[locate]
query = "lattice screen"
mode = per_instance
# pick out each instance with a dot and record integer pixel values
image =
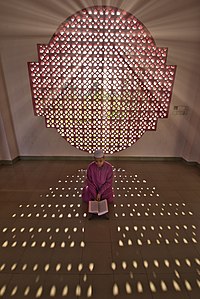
(101, 82)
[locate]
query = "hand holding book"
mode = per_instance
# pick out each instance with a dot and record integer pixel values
(98, 207)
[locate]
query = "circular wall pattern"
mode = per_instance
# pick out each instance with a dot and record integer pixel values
(101, 82)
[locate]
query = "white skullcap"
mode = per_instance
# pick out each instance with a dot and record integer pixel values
(98, 154)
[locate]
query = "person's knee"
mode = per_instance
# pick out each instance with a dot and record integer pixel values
(85, 200)
(110, 200)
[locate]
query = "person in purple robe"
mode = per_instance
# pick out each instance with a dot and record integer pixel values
(98, 184)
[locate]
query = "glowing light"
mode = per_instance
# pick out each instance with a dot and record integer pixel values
(139, 287)
(115, 289)
(91, 266)
(3, 290)
(53, 291)
(65, 291)
(78, 290)
(163, 286)
(84, 83)
(188, 285)
(176, 286)
(89, 291)
(128, 288)
(14, 291)
(27, 291)
(113, 266)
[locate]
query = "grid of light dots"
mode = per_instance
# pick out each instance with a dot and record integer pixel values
(56, 236)
(101, 81)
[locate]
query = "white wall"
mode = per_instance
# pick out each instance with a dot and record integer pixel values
(8, 144)
(173, 24)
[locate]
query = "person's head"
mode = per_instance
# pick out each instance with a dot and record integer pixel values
(99, 157)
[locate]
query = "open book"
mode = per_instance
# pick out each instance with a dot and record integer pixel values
(98, 207)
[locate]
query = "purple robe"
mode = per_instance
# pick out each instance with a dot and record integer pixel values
(99, 180)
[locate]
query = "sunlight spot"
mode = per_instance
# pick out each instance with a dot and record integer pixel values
(176, 286)
(69, 267)
(46, 268)
(128, 288)
(58, 267)
(198, 283)
(115, 289)
(146, 264)
(121, 243)
(113, 266)
(80, 267)
(24, 244)
(14, 266)
(27, 291)
(25, 266)
(35, 267)
(2, 267)
(91, 266)
(152, 287)
(177, 274)
(53, 291)
(33, 244)
(166, 262)
(82, 244)
(188, 262)
(72, 244)
(78, 290)
(62, 245)
(53, 245)
(177, 262)
(89, 291)
(130, 242)
(135, 264)
(2, 290)
(197, 261)
(194, 240)
(14, 291)
(139, 287)
(43, 244)
(124, 265)
(188, 285)
(5, 244)
(156, 263)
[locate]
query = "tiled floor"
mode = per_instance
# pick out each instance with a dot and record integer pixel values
(149, 248)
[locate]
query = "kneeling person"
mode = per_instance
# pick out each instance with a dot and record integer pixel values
(98, 184)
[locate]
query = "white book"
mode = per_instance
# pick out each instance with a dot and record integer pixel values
(98, 207)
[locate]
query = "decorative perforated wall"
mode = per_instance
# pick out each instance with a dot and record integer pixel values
(101, 81)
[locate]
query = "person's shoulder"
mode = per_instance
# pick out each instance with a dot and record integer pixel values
(91, 164)
(109, 165)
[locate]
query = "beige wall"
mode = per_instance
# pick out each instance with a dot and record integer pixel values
(8, 144)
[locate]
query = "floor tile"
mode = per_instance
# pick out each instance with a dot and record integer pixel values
(149, 247)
